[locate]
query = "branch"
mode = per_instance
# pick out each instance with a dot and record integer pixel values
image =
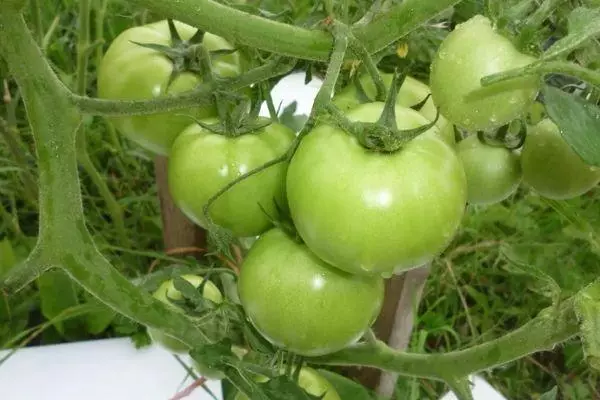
(262, 33)
(542, 68)
(199, 96)
(551, 326)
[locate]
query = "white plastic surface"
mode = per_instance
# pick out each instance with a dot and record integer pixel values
(96, 370)
(481, 390)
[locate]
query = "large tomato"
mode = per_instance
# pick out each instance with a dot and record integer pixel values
(551, 167)
(493, 173)
(309, 380)
(132, 72)
(302, 304)
(370, 212)
(202, 162)
(470, 52)
(411, 92)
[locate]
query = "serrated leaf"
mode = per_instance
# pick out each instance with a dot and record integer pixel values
(587, 307)
(578, 121)
(584, 24)
(98, 321)
(214, 356)
(544, 283)
(346, 388)
(191, 294)
(552, 394)
(57, 294)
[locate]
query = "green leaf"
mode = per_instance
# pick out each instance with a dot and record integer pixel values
(584, 24)
(346, 388)
(98, 321)
(57, 294)
(550, 395)
(578, 121)
(587, 307)
(7, 256)
(544, 283)
(283, 388)
(289, 118)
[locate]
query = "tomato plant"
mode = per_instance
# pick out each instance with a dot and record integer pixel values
(202, 162)
(470, 52)
(131, 72)
(309, 380)
(372, 189)
(493, 173)
(551, 167)
(411, 93)
(302, 304)
(353, 206)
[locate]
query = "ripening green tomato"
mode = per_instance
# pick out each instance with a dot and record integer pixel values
(309, 380)
(411, 92)
(202, 162)
(300, 303)
(167, 293)
(370, 212)
(493, 173)
(470, 52)
(132, 72)
(551, 167)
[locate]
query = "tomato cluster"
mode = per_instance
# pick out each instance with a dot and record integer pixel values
(361, 214)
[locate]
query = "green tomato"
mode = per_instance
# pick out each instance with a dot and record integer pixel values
(411, 92)
(132, 72)
(167, 293)
(309, 380)
(202, 162)
(551, 167)
(300, 303)
(470, 52)
(493, 173)
(370, 212)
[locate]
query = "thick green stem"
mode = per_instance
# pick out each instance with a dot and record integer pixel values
(202, 95)
(550, 327)
(545, 67)
(63, 240)
(277, 37)
(83, 157)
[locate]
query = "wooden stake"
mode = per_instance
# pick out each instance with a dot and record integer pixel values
(178, 230)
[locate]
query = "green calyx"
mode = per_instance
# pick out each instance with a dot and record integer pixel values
(187, 55)
(383, 135)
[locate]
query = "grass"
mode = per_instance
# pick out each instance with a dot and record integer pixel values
(473, 293)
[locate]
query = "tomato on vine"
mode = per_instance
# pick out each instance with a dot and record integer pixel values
(371, 212)
(302, 304)
(493, 173)
(411, 93)
(469, 53)
(551, 167)
(309, 380)
(130, 71)
(203, 162)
